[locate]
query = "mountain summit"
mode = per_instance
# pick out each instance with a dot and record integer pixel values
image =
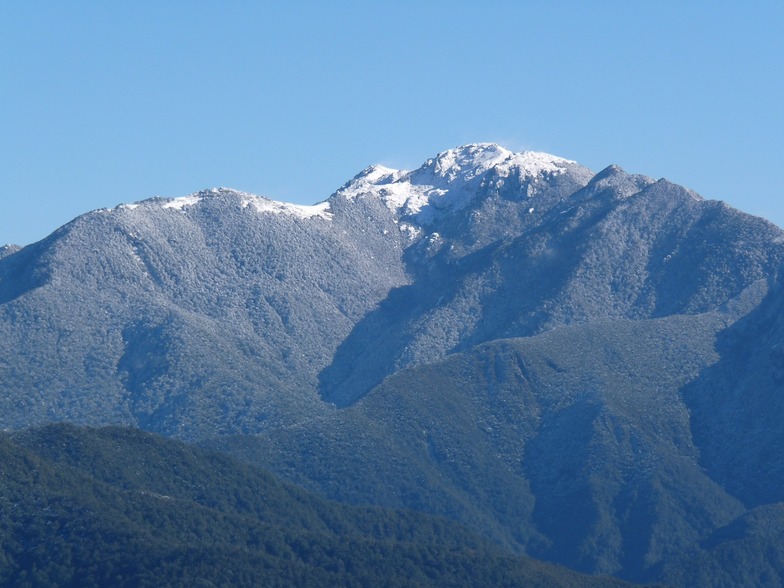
(451, 180)
(585, 367)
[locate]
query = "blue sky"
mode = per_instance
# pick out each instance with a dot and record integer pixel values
(110, 102)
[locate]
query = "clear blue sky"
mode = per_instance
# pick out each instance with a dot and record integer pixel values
(110, 102)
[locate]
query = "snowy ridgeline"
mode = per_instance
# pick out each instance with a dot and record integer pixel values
(445, 183)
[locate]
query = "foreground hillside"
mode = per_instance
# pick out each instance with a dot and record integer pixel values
(100, 507)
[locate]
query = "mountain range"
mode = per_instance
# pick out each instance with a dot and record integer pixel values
(585, 368)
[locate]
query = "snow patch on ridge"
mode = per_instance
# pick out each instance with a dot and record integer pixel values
(182, 202)
(261, 204)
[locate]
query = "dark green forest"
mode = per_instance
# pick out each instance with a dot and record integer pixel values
(115, 506)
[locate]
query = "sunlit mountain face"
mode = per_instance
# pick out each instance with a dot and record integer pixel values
(585, 368)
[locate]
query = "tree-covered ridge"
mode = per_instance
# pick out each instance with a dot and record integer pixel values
(574, 446)
(97, 507)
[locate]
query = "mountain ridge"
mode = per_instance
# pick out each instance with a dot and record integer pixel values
(583, 367)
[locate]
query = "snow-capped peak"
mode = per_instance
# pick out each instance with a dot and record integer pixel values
(450, 180)
(377, 174)
(466, 162)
